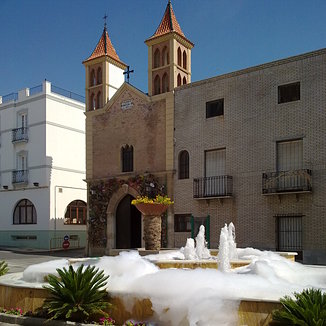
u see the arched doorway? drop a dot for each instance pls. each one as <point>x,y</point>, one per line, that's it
<point>128,225</point>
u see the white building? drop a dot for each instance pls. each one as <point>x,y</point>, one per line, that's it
<point>42,168</point>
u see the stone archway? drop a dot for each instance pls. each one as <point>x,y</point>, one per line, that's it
<point>116,198</point>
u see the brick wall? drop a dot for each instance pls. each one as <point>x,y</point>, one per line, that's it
<point>252,123</point>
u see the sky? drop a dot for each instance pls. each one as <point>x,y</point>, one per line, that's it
<point>49,39</point>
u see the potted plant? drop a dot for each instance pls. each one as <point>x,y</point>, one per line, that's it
<point>152,209</point>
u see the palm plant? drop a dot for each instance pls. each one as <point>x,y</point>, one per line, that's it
<point>307,309</point>
<point>3,268</point>
<point>77,295</point>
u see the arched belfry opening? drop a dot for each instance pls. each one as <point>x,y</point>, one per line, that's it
<point>128,224</point>
<point>169,53</point>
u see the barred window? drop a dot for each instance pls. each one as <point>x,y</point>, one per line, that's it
<point>182,223</point>
<point>184,165</point>
<point>76,212</point>
<point>127,157</point>
<point>289,232</point>
<point>25,212</point>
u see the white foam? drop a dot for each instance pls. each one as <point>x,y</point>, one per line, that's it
<point>200,296</point>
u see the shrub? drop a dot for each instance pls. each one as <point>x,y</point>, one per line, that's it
<point>307,309</point>
<point>77,295</point>
<point>12,311</point>
<point>3,268</point>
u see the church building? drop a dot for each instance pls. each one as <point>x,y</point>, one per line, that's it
<point>247,147</point>
<point>129,136</point>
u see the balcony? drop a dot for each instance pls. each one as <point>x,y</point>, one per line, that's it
<point>20,177</point>
<point>294,181</point>
<point>213,187</point>
<point>20,135</point>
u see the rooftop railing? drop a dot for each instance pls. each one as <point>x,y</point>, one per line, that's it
<point>10,97</point>
<point>66,93</point>
<point>35,90</point>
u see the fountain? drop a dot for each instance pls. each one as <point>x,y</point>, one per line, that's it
<point>141,290</point>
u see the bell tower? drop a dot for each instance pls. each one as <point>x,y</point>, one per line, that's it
<point>169,55</point>
<point>104,73</point>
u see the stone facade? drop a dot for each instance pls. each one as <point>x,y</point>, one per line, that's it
<point>249,130</point>
<point>145,123</point>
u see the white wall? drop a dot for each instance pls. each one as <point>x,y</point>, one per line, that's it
<point>56,157</point>
<point>116,77</point>
<point>8,201</point>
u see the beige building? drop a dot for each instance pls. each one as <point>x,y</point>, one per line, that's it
<point>129,136</point>
<point>258,157</point>
<point>246,147</point>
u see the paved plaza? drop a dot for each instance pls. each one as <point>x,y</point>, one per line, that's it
<point>18,261</point>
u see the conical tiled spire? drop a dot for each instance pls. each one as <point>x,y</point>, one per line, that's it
<point>104,47</point>
<point>168,23</point>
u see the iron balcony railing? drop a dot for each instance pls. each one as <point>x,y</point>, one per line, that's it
<point>219,186</point>
<point>287,181</point>
<point>20,134</point>
<point>20,176</point>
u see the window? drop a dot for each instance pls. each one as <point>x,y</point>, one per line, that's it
<point>179,56</point>
<point>182,223</point>
<point>179,80</point>
<point>289,155</point>
<point>92,78</point>
<point>92,103</point>
<point>289,165</point>
<point>76,212</point>
<point>184,60</point>
<point>215,184</point>
<point>20,175</point>
<point>214,108</point>
<point>156,58</point>
<point>25,212</point>
<point>184,165</point>
<point>289,232</point>
<point>165,56</point>
<point>127,153</point>
<point>165,83</point>
<point>98,100</point>
<point>21,132</point>
<point>289,93</point>
<point>215,162</point>
<point>99,75</point>
<point>157,85</point>
<point>22,120</point>
<point>184,81</point>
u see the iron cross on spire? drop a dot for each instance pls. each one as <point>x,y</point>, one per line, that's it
<point>105,17</point>
<point>128,72</point>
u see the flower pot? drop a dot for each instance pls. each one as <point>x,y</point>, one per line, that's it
<point>152,209</point>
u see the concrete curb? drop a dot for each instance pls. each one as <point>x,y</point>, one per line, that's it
<point>33,321</point>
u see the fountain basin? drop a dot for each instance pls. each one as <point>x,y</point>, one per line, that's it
<point>14,293</point>
<point>192,264</point>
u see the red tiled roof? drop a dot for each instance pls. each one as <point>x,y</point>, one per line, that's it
<point>168,23</point>
<point>104,47</point>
